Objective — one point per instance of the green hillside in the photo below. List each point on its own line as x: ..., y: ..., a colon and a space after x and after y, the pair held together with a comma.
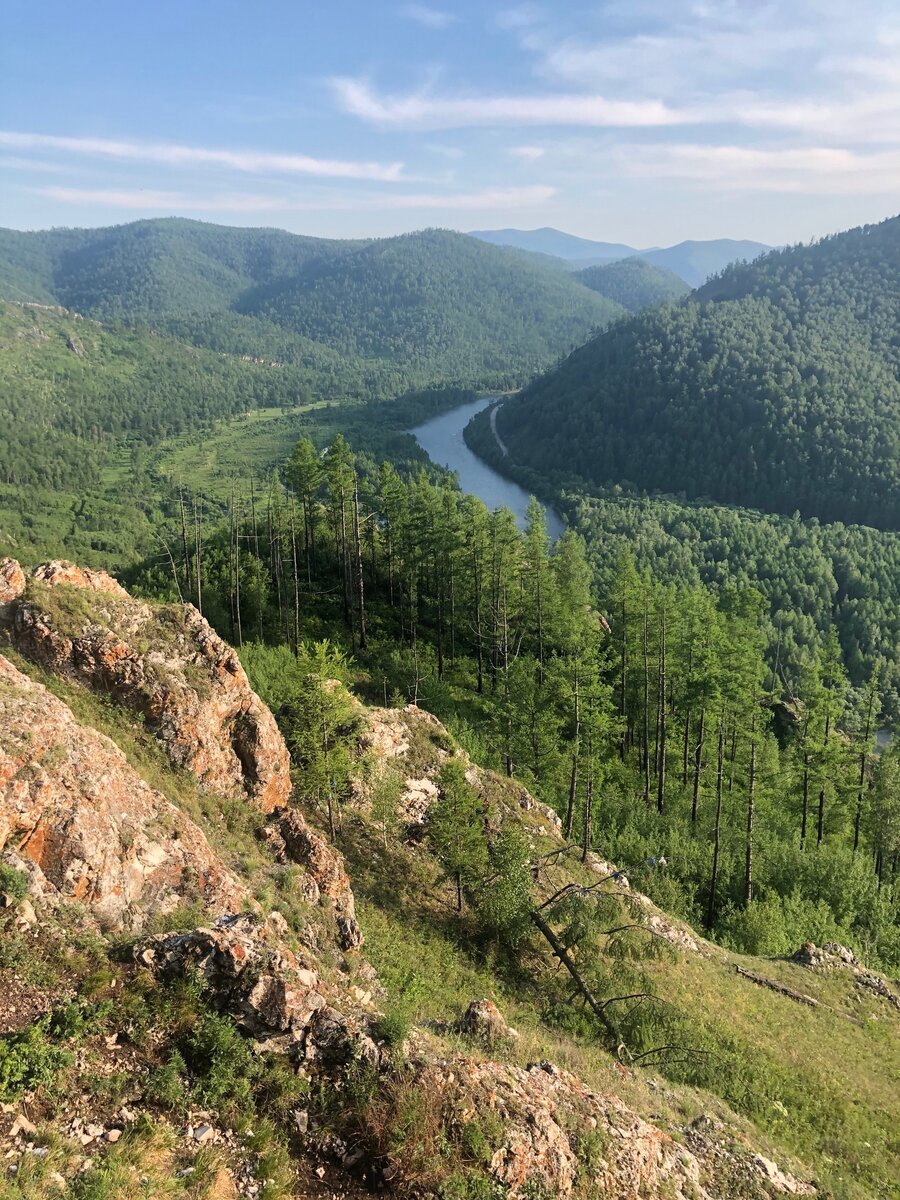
x: 634, y: 283
x: 400, y: 312
x: 776, y: 385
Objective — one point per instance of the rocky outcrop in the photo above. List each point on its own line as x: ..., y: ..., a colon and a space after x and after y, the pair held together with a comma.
x: 484, y: 1022
x: 61, y: 572
x: 88, y: 825
x: 292, y: 840
x: 12, y: 584
x: 832, y: 956
x: 254, y: 978
x: 162, y: 661
x: 547, y: 1116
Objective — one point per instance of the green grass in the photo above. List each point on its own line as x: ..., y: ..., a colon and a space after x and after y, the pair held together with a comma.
x: 253, y: 444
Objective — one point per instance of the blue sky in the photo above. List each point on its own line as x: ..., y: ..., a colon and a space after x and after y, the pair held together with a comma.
x: 643, y: 121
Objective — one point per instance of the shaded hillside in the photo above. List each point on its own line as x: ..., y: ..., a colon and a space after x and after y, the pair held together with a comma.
x: 634, y: 283
x: 431, y: 306
x: 777, y: 386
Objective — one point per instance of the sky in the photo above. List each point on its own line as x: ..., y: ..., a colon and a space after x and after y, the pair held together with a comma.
x: 637, y: 121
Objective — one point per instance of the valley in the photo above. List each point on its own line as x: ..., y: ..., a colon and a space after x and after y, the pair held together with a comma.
x: 434, y: 756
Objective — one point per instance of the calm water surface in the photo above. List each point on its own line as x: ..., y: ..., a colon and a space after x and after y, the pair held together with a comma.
x: 442, y: 440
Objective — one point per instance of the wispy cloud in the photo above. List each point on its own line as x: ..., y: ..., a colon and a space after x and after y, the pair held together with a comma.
x: 174, y: 155
x: 519, y: 16
x: 527, y: 153
x: 140, y: 199
x: 430, y: 18
x: 14, y: 162
x: 421, y: 110
x: 812, y: 170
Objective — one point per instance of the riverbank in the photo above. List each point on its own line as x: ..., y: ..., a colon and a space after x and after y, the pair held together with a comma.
x: 443, y: 439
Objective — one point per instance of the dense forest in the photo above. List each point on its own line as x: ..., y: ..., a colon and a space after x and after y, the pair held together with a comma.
x: 776, y: 385
x: 634, y: 283
x: 373, y: 317
x: 812, y: 574
x: 644, y: 711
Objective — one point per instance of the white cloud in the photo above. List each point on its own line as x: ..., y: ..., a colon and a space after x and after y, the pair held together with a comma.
x: 147, y: 198
x: 15, y: 163
x: 140, y: 199
x: 169, y: 154
x: 431, y: 18
x: 527, y: 153
x: 420, y: 110
x: 487, y: 198
x: 812, y: 170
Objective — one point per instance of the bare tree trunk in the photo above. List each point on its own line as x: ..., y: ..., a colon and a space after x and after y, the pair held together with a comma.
x: 296, y: 582
x: 751, y: 797
x: 563, y: 955
x: 805, y: 814
x: 661, y: 769
x: 258, y: 563
x: 646, y: 747
x: 863, y: 754
x: 184, y: 543
x: 714, y: 875
x: 820, y: 822
x: 359, y: 565
x: 573, y: 780
x: 698, y: 765
x: 198, y: 540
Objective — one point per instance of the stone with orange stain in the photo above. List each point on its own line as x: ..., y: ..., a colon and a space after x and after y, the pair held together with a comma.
x: 71, y: 805
x: 163, y: 661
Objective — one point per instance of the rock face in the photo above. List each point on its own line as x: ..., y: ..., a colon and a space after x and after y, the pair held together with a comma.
x: 291, y: 839
x: 163, y: 661
x: 260, y: 983
x: 835, y: 957
x: 12, y: 583
x: 547, y: 1114
x: 484, y: 1021
x: 94, y: 831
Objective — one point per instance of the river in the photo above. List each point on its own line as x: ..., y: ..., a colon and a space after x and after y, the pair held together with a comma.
x: 442, y: 440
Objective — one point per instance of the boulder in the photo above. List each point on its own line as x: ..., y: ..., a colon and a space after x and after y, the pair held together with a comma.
x: 484, y: 1021
x: 87, y: 825
x: 292, y: 839
x: 164, y: 662
x: 254, y: 978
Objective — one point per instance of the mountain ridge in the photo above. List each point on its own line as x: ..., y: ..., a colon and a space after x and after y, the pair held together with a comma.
x: 776, y: 385
x: 693, y: 261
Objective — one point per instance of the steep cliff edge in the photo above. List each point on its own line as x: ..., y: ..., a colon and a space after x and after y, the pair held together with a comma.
x: 193, y: 945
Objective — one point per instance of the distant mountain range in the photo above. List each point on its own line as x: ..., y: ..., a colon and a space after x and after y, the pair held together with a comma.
x: 693, y: 261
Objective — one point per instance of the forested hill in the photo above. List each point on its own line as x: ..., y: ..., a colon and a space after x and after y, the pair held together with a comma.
x: 777, y: 385
x: 433, y: 305
x: 634, y: 283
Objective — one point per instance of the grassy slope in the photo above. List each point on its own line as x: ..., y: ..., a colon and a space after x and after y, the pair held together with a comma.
x: 816, y: 1086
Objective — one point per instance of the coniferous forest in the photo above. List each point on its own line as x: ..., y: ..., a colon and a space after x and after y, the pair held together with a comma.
x: 646, y: 712
x: 774, y: 385
x: 680, y: 679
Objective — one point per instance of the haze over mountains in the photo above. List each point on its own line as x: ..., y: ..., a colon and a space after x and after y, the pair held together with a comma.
x: 694, y: 261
